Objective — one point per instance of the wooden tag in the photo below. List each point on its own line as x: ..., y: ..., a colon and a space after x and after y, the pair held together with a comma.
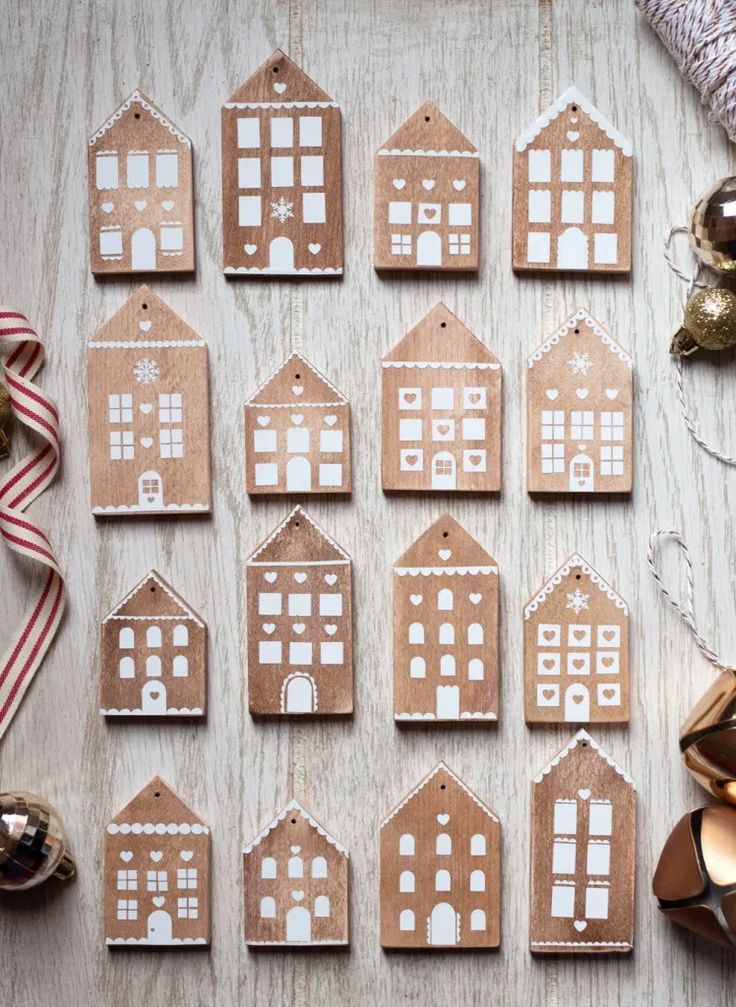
x: 576, y: 650
x: 427, y: 194
x: 441, y: 868
x: 296, y: 883
x: 154, y: 655
x: 572, y: 191
x: 157, y: 872
x: 149, y: 441
x: 281, y: 175
x: 141, y: 202
x: 300, y: 626
x: 297, y: 433
x: 580, y: 392
x: 446, y: 628
x: 583, y: 853
x: 442, y: 409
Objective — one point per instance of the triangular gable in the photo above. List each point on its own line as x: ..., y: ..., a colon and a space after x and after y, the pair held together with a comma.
x: 286, y: 546
x: 440, y: 337
x: 157, y: 805
x: 577, y: 318
x: 426, y: 555
x: 572, y: 743
x: 278, y: 389
x: 163, y: 603
x: 575, y: 562
x: 146, y: 105
x: 441, y: 767
x: 428, y: 131
x: 573, y: 97
x: 278, y: 81
x: 133, y: 326
x: 289, y: 809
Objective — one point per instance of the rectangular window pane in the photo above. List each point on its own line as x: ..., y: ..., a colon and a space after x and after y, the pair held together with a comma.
x: 249, y: 211
x: 540, y: 166
x: 540, y: 206
x: 600, y: 821
x: 106, y: 165
x: 313, y: 169
x: 167, y: 169
x: 566, y: 818
x: 572, y: 206
x: 249, y: 132
x: 172, y: 238
x: 572, y: 166
x: 314, y: 207
x: 563, y: 901
x: 599, y: 857
x: 282, y: 132
x: 563, y: 856
x: 310, y: 131
x: 111, y: 243
x: 603, y: 207
x: 249, y: 172
x: 137, y: 171
x: 603, y: 166
x: 596, y: 903
x: 282, y: 171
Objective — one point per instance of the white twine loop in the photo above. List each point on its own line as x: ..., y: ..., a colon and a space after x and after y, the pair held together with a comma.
x: 688, y: 612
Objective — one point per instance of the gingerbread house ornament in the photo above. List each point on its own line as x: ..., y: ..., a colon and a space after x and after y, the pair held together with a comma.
x: 445, y: 628
x: 583, y: 853
x: 148, y: 413
x: 154, y: 655
x: 580, y: 389
x: 299, y: 600
x: 440, y: 868
x: 281, y: 176
x: 297, y: 433
x: 296, y: 878
x: 441, y: 410
x: 157, y: 872
x: 427, y: 195
x: 572, y: 187
x: 141, y: 203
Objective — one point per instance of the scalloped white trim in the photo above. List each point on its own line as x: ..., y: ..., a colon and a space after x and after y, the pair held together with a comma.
x: 137, y: 509
x: 580, y: 736
x: 279, y: 528
x: 146, y: 344
x: 581, y: 944
x: 443, y: 364
x: 433, y: 716
x: 575, y: 562
x: 152, y: 575
x: 297, y: 944
x: 280, y: 104
x: 158, y: 828
x: 294, y: 404
x: 274, y: 374
x: 136, y: 96
x: 171, y: 712
x: 569, y: 97
x: 304, y: 270
x: 298, y: 674
x: 397, y: 152
x: 295, y: 806
x: 581, y: 315
x: 145, y: 940
x: 438, y: 571
x: 440, y: 766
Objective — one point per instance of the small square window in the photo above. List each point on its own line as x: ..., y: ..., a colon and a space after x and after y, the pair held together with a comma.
x: 249, y: 132
x: 460, y: 214
x: 410, y: 430
x: 300, y: 604
x: 411, y: 460
x: 300, y: 653
x: 401, y: 244
x: 282, y: 131
x: 313, y: 207
x: 330, y: 604
x: 538, y: 245
x: 399, y: 212
x: 312, y: 169
x: 310, y: 131
x: 282, y: 172
x: 474, y: 428
x: 410, y: 398
x: 249, y: 211
x: 443, y: 398
x: 605, y: 249
x: 474, y: 460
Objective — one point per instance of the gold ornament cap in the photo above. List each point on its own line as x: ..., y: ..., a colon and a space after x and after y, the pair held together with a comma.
x: 32, y: 842
x: 710, y: 322
x: 713, y: 227
x: 708, y: 739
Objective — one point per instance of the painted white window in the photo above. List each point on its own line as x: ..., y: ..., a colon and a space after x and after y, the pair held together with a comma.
x: 411, y: 460
x: 447, y: 665
x: 249, y: 172
x: 410, y: 430
x: 127, y: 909
x: 322, y: 907
x: 476, y: 671
x: 603, y: 166
x: 171, y: 443
x: 416, y: 633
x: 563, y: 900
x: 429, y: 213
x: 269, y: 652
x: 572, y: 166
x: 477, y: 845
x: 581, y: 425
x: 170, y: 408
x: 312, y: 169
x: 268, y: 868
x: 565, y: 818
x: 573, y: 204
x: 106, y: 170
x: 563, y: 855
x: 399, y: 211
x: 474, y: 397
x: 612, y: 426
x: 300, y: 604
x: 478, y: 920
x: 540, y: 206
x: 600, y: 821
x: 599, y: 857
x: 442, y: 881
x: 269, y: 603
x: 596, y: 902
x: 282, y: 171
x: 406, y: 920
x: 410, y: 398
x: 296, y: 867
x: 553, y: 429
x: 310, y: 130
x: 282, y: 131
x: 249, y: 211
x: 122, y: 445
x: 447, y: 633
x: 313, y: 208
x: 181, y: 666
x: 477, y: 881
x: 330, y: 604
x: 460, y: 214
x: 111, y: 243
x: 187, y: 908
x: 540, y: 166
x: 474, y: 428
x: 181, y: 636
x: 137, y: 170
x: 319, y: 867
x: 153, y: 636
x: 127, y: 881
x: 475, y: 633
x: 401, y: 244
x: 603, y: 208
x: 331, y: 652
x: 186, y: 877
x: 167, y: 169
x: 157, y: 881
x: 300, y: 653
x: 153, y: 666
x: 249, y: 132
x: 445, y: 600
x: 443, y: 845
x: 406, y: 845
x: 330, y: 474
x: 268, y: 908
x: 126, y: 638
x: 612, y: 460
x: 330, y: 441
x: 297, y: 440
x: 265, y: 441
x: 443, y: 398
x: 120, y: 408
x: 417, y: 668
x: 459, y: 244
x: 126, y: 668
x: 172, y: 237
x: 605, y: 249
x: 406, y: 881
x: 537, y: 246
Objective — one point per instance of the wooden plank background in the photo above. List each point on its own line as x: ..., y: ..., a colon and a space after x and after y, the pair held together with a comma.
x: 490, y: 66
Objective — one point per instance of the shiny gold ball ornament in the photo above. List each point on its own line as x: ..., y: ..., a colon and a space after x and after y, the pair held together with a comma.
x: 713, y: 227
x: 710, y: 322
x: 32, y: 842
x: 708, y: 739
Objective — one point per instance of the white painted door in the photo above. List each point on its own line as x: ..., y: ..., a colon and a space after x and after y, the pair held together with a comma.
x: 143, y: 249
x: 442, y: 925
x: 577, y: 704
x: 150, y: 491
x: 444, y: 471
x: 281, y: 255
x: 159, y: 927
x: 582, y: 479
x: 153, y: 699
x: 298, y: 475
x: 572, y: 249
x: 298, y: 924
x: 299, y: 695
x: 429, y: 249
x: 448, y: 702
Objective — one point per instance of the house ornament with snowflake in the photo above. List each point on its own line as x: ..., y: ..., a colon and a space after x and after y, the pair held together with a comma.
x: 146, y: 371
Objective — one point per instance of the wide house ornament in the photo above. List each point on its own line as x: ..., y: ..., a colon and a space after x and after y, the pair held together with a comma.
x: 148, y: 413
x: 281, y: 176
x: 441, y: 869
x: 572, y: 202
x: 296, y: 878
x: 580, y: 388
x: 157, y: 872
x: 141, y: 202
x: 583, y: 829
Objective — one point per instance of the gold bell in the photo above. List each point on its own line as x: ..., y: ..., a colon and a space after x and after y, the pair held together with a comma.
x: 6, y: 413
x: 32, y: 842
x: 708, y: 739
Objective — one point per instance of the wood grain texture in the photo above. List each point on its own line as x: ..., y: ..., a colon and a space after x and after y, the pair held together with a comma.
x: 381, y: 58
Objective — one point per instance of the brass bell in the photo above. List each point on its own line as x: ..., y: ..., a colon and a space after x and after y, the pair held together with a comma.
x: 32, y: 842
x: 708, y: 739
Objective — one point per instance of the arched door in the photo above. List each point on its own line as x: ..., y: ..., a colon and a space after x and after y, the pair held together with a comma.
x: 159, y: 927
x: 150, y: 491
x: 153, y: 699
x: 298, y: 924
x: 429, y: 249
x: 442, y: 925
x: 300, y: 696
x: 572, y: 249
x: 143, y: 249
x: 298, y: 475
x: 577, y: 704
x: 444, y: 471
x: 281, y: 255
x: 448, y: 702
x: 582, y: 479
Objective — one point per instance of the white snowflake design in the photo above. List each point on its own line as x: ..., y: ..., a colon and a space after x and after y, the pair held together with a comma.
x: 577, y: 601
x: 580, y: 363
x: 282, y: 210
x: 146, y: 371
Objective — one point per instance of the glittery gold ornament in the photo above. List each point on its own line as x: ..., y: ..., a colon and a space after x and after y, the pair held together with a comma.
x: 32, y: 842
x: 6, y: 413
x: 713, y: 227
x: 710, y: 322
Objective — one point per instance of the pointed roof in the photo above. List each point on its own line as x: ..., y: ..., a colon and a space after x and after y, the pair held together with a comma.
x: 573, y: 97
x: 445, y: 548
x: 145, y: 104
x: 441, y: 767
x: 291, y: 807
x: 440, y: 339
x: 153, y: 598
x: 302, y: 385
x: 279, y: 83
x: 144, y: 322
x: 298, y: 541
x: 575, y: 562
x: 572, y: 743
x: 430, y: 132
x: 157, y: 810
x: 576, y: 319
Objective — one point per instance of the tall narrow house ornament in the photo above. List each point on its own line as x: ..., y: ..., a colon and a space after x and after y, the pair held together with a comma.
x: 572, y: 207
x: 148, y: 413
x: 141, y: 202
x: 427, y: 195
x: 281, y: 175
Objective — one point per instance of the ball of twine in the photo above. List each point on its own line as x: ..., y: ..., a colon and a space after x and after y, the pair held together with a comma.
x: 701, y: 35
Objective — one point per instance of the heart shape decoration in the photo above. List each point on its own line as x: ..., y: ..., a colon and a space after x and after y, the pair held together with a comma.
x: 250, y: 249
x: 314, y: 248
x: 548, y: 693
x: 475, y: 459
x: 573, y: 135
x: 581, y: 483
x: 548, y: 634
x: 430, y: 213
x: 186, y: 855
x: 611, y: 393
x: 150, y: 500
x: 297, y: 895
x: 269, y: 627
x: 443, y: 819
x: 578, y: 662
x: 145, y: 408
x: 607, y: 662
x: 263, y: 421
x: 279, y: 86
x: 168, y: 205
x: 330, y: 578
x: 475, y: 598
x: 443, y: 428
x: 608, y: 634
x: 296, y: 849
x: 156, y: 855
x: 158, y: 901
x: 107, y: 207
x: 573, y: 119
x: 577, y: 699
x: 147, y: 442
x: 582, y: 393
x: 331, y: 629
x: 297, y: 390
x: 154, y: 694
x: 410, y: 398
x: 580, y: 925
x: 144, y: 325
x: 298, y: 628
x: 297, y: 419
x: 330, y: 420
x: 458, y: 184
x: 444, y: 553
x: 416, y: 599
x: 411, y: 459
x: 608, y: 693
x: 140, y: 204
x: 474, y: 397
x: 399, y: 183
x: 579, y: 634
x: 548, y: 662
x: 126, y: 856
x: 552, y: 394
x: 271, y: 576
x: 428, y: 183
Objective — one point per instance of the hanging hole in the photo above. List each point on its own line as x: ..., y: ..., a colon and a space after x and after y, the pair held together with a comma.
x: 136, y: 115
x: 152, y: 590
x: 426, y: 118
x: 275, y: 69
x: 445, y: 534
x: 577, y: 576
x: 577, y: 332
x: 157, y: 793
x: 297, y: 524
x: 574, y: 108
x: 443, y: 325
x: 443, y: 786
x: 584, y: 744
x: 145, y: 307
x: 293, y: 821
x: 297, y: 376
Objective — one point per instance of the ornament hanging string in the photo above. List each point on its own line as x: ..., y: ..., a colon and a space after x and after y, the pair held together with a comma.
x: 18, y: 489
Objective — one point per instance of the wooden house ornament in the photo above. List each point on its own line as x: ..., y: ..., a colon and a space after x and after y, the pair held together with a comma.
x: 296, y: 879
x: 441, y: 410
x: 281, y: 175
x: 297, y: 433
x: 445, y: 628
x: 141, y: 203
x: 580, y: 389
x: 572, y: 187
x: 299, y: 599
x: 157, y: 872
x: 148, y: 413
x: 576, y: 650
x: 427, y: 195
x: 154, y: 655
x: 440, y: 868
x: 583, y: 853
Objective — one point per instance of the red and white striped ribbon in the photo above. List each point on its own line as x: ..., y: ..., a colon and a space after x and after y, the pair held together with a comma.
x: 18, y: 489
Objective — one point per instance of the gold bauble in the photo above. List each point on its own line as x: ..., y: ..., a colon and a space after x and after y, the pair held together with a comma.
x: 32, y: 842
x: 713, y: 227
x: 710, y: 322
x: 708, y: 739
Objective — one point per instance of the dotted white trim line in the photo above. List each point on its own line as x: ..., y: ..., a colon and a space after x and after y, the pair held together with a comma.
x: 158, y: 828
x: 440, y: 767
x: 171, y: 712
x: 272, y: 377
x: 166, y: 588
x: 297, y: 944
x: 575, y: 562
x: 137, y: 97
x: 433, y: 716
x: 159, y: 944
x: 135, y: 344
x: 295, y: 404
x: 291, y: 807
x: 304, y: 270
x: 280, y: 104
x: 581, y: 944
x: 138, y: 509
x: 573, y: 97
x: 449, y: 571
x: 584, y: 736
x: 280, y: 528
x: 443, y: 364
x: 581, y: 315
x: 398, y: 152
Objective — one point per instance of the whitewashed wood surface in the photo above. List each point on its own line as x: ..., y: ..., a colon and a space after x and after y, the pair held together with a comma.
x: 490, y: 66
